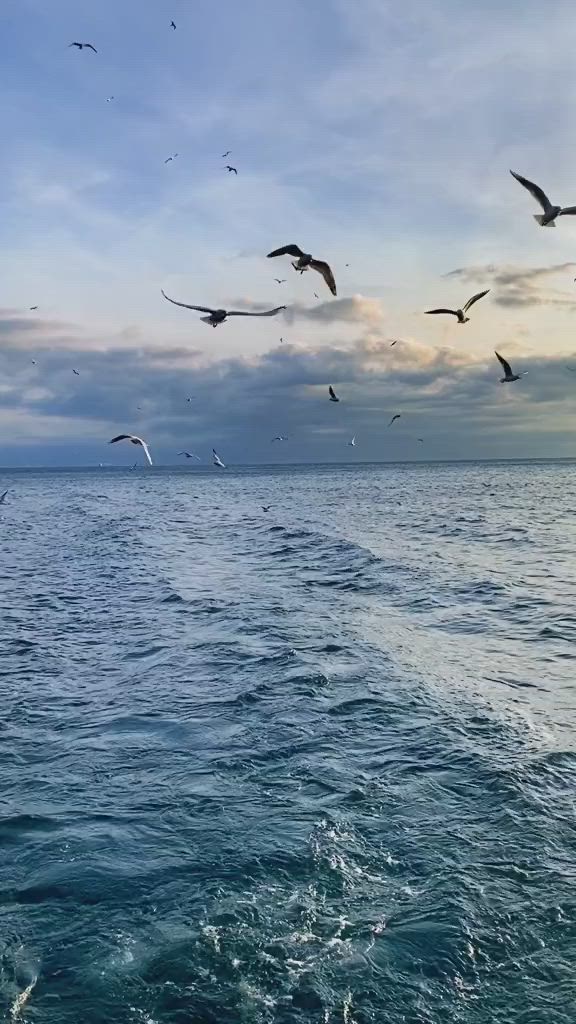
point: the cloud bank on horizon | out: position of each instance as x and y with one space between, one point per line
381 141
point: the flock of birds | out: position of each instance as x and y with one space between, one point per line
302 262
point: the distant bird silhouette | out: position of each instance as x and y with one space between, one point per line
394 418
420 439
509 376
332 393
218 316
109 100
227 153
3 497
352 443
545 220
33 307
392 343
84 46
279 438
171 158
280 280
173 24
304 260
77 372
266 508
231 169
190 455
33 361
460 313
316 296
133 440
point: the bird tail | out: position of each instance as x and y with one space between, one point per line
206 319
539 217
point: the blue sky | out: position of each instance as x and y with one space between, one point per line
373 134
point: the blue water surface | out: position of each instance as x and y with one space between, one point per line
315 764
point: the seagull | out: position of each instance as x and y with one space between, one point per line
33 307
508 375
547 219
280 280
77 372
3 497
171 158
332 393
133 440
190 455
396 417
352 443
392 343
266 508
33 361
109 100
217 460
278 438
173 25
227 153
316 296
218 316
230 169
460 312
82 46
281 341
305 260
420 439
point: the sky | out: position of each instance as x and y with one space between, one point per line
375 135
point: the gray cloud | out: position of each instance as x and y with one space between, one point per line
519 287
238 404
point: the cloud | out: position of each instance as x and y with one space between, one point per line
520 286
357 309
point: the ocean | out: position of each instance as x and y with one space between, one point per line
314 765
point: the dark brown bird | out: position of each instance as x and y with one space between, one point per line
304 260
84 46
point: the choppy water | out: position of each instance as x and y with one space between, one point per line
310 765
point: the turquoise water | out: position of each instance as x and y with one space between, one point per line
311 765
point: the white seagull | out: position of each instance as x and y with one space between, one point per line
218 316
278 438
545 220
305 260
190 455
352 443
460 313
332 393
217 460
133 440
508 375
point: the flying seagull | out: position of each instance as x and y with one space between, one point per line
231 169
84 46
266 508
280 280
3 497
508 375
278 438
392 343
133 440
396 417
546 220
173 24
420 439
33 307
462 319
218 316
171 158
332 393
33 361
109 100
352 443
316 296
305 260
77 372
227 153
190 455
217 460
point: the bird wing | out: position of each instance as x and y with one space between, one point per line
201 309
534 190
475 298
452 311
3 497
121 437
326 272
331 392
90 47
287 250
267 312
146 450
567 210
506 366
79 45
396 417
